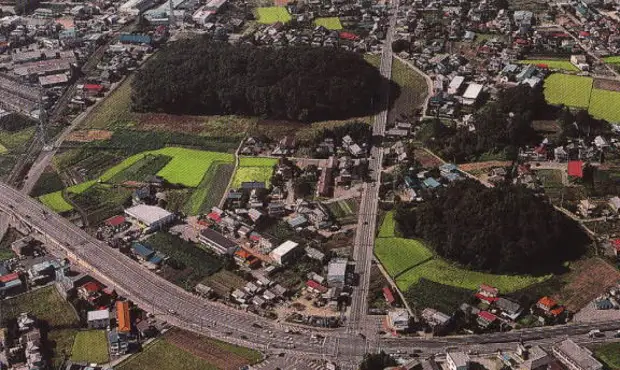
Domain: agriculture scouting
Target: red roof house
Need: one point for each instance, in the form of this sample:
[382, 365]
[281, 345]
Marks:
[349, 36]
[389, 297]
[214, 217]
[488, 291]
[616, 245]
[115, 221]
[485, 318]
[9, 277]
[575, 169]
[316, 286]
[546, 304]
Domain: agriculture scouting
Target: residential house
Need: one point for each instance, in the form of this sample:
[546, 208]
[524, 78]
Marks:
[315, 286]
[487, 291]
[315, 254]
[11, 284]
[286, 253]
[549, 306]
[398, 320]
[388, 295]
[217, 242]
[23, 246]
[533, 358]
[438, 321]
[99, 319]
[575, 357]
[119, 343]
[486, 319]
[336, 272]
[509, 309]
[123, 319]
[586, 207]
[457, 361]
[614, 203]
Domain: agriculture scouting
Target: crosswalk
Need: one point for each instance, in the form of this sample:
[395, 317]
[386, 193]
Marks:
[289, 363]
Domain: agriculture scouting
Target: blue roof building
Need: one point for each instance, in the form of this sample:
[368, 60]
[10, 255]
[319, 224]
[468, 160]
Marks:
[142, 251]
[447, 168]
[451, 176]
[431, 183]
[127, 38]
[297, 221]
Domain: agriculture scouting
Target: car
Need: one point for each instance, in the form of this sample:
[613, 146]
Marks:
[172, 312]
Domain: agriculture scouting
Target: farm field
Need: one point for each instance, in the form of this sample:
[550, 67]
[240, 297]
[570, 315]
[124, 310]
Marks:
[331, 23]
[210, 190]
[413, 90]
[564, 65]
[90, 346]
[408, 261]
[398, 255]
[254, 169]
[49, 182]
[193, 351]
[445, 298]
[56, 202]
[573, 91]
[273, 14]
[140, 170]
[223, 282]
[115, 112]
[3, 149]
[612, 60]
[186, 167]
[58, 315]
[605, 105]
[101, 201]
[609, 354]
[345, 211]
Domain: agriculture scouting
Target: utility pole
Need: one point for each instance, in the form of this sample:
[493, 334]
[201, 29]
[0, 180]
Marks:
[42, 119]
[171, 19]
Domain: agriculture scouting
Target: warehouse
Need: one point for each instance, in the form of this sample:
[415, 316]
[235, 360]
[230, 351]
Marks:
[336, 272]
[286, 252]
[152, 217]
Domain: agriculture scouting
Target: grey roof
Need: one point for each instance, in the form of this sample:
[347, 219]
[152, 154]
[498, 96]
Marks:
[578, 355]
[460, 359]
[507, 305]
[217, 238]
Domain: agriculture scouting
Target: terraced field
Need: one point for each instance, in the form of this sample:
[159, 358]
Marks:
[254, 169]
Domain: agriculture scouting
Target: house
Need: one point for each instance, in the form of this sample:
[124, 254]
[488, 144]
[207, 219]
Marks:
[586, 208]
[11, 284]
[275, 209]
[313, 285]
[315, 254]
[455, 85]
[472, 94]
[123, 320]
[431, 183]
[457, 361]
[398, 320]
[23, 246]
[509, 309]
[485, 319]
[488, 291]
[217, 242]
[549, 306]
[245, 258]
[297, 221]
[438, 321]
[614, 203]
[91, 291]
[336, 272]
[99, 319]
[141, 251]
[575, 357]
[388, 295]
[152, 217]
[119, 343]
[286, 146]
[580, 62]
[533, 358]
[286, 253]
[575, 169]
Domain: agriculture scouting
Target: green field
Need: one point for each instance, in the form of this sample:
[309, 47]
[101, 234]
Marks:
[14, 140]
[609, 354]
[140, 170]
[564, 65]
[254, 169]
[331, 23]
[573, 91]
[186, 167]
[273, 14]
[345, 211]
[91, 347]
[47, 305]
[163, 355]
[210, 190]
[408, 261]
[56, 202]
[612, 60]
[3, 149]
[398, 255]
[605, 105]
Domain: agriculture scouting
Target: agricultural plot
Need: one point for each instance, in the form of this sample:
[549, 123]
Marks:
[386, 230]
[188, 166]
[56, 202]
[345, 211]
[413, 90]
[223, 282]
[331, 23]
[254, 169]
[572, 91]
[115, 112]
[58, 315]
[163, 355]
[612, 60]
[398, 255]
[140, 170]
[445, 298]
[609, 354]
[563, 65]
[49, 182]
[188, 263]
[210, 190]
[605, 105]
[273, 14]
[101, 201]
[444, 273]
[91, 347]
[15, 141]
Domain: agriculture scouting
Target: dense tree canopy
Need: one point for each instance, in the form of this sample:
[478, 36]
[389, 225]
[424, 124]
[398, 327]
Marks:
[200, 76]
[503, 229]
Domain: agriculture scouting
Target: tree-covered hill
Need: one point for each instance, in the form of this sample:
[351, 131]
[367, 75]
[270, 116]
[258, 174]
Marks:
[200, 76]
[505, 229]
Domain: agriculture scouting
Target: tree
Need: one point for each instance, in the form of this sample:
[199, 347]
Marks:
[400, 45]
[377, 361]
[202, 76]
[506, 229]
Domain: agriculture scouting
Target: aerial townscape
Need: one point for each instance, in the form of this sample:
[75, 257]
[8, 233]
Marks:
[310, 184]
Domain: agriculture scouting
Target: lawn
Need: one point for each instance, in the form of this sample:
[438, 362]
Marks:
[331, 23]
[90, 346]
[564, 65]
[56, 202]
[604, 104]
[398, 255]
[163, 355]
[58, 315]
[273, 14]
[572, 91]
[609, 354]
[254, 169]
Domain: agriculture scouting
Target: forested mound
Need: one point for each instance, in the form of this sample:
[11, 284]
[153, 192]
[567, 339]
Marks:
[506, 229]
[200, 76]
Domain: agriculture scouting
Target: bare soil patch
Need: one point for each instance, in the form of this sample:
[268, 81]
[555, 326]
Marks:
[86, 136]
[426, 160]
[603, 84]
[587, 280]
[476, 166]
[205, 349]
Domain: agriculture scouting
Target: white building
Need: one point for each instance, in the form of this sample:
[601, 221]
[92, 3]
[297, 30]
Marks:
[202, 15]
[285, 253]
[471, 95]
[575, 357]
[455, 85]
[99, 319]
[152, 217]
[135, 7]
[457, 360]
[398, 320]
[336, 271]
